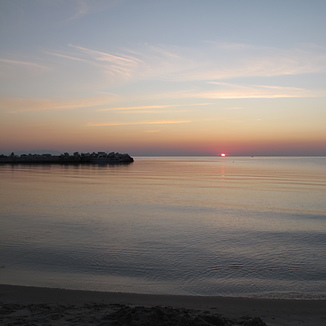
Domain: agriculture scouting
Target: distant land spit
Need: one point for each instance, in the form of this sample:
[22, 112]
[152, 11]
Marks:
[66, 158]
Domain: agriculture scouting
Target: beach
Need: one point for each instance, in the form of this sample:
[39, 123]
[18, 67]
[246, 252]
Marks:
[23, 305]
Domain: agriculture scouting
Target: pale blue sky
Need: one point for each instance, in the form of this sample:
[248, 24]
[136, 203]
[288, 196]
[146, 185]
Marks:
[170, 77]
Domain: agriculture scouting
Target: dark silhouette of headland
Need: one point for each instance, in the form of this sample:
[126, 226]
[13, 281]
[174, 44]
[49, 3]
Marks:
[66, 158]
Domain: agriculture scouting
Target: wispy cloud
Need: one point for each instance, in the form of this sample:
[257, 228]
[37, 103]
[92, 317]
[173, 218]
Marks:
[235, 91]
[230, 60]
[14, 105]
[65, 56]
[113, 64]
[107, 124]
[146, 107]
[106, 56]
[116, 66]
[233, 108]
[127, 64]
[208, 62]
[20, 63]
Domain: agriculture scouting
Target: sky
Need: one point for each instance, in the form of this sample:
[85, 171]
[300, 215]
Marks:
[172, 77]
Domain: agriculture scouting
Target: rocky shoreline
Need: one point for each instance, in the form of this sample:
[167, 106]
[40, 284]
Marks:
[66, 158]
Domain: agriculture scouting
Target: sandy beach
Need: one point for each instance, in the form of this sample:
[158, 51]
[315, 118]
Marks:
[22, 305]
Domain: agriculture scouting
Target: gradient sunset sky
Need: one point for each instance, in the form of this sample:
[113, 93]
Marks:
[149, 77]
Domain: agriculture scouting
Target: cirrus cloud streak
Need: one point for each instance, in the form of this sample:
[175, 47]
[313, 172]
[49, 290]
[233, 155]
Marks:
[209, 61]
[108, 124]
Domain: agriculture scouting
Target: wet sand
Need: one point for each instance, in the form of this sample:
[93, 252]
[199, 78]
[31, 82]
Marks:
[22, 305]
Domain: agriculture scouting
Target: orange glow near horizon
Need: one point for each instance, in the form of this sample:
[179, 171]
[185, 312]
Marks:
[223, 155]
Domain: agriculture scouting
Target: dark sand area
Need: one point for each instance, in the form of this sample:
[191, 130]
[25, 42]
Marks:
[22, 305]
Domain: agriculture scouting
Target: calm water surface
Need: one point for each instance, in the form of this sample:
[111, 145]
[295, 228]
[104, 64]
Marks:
[174, 225]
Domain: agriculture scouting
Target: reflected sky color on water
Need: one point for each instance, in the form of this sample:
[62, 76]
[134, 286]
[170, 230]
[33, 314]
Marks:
[231, 226]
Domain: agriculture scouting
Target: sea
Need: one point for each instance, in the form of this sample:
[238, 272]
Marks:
[209, 226]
